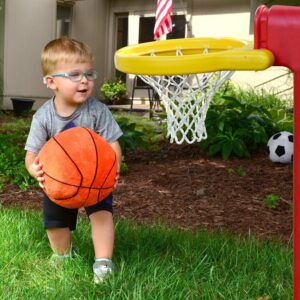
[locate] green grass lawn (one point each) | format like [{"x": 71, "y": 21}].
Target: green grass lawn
[{"x": 153, "y": 263}]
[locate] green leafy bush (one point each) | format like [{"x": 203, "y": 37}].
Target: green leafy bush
[
  {"x": 112, "y": 91},
  {"x": 131, "y": 138},
  {"x": 12, "y": 154},
  {"x": 253, "y": 96},
  {"x": 280, "y": 120},
  {"x": 280, "y": 112},
  {"x": 234, "y": 128}
]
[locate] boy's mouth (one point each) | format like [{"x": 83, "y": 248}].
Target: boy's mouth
[{"x": 82, "y": 91}]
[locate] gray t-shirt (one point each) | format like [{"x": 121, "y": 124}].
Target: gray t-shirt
[{"x": 91, "y": 114}]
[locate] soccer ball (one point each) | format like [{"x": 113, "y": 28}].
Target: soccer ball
[{"x": 281, "y": 147}]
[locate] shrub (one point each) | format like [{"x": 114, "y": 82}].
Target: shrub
[
  {"x": 234, "y": 128},
  {"x": 280, "y": 120},
  {"x": 280, "y": 114},
  {"x": 112, "y": 91},
  {"x": 131, "y": 138},
  {"x": 249, "y": 95},
  {"x": 12, "y": 155}
]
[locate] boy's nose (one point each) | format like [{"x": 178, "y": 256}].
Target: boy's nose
[{"x": 84, "y": 79}]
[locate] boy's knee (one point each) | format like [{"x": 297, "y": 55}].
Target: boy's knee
[
  {"x": 101, "y": 216},
  {"x": 59, "y": 233}
]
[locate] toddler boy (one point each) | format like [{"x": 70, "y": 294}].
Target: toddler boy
[{"x": 68, "y": 71}]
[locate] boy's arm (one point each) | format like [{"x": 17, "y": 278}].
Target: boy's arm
[
  {"x": 116, "y": 147},
  {"x": 34, "y": 167}
]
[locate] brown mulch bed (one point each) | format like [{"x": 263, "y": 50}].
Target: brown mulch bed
[{"x": 180, "y": 186}]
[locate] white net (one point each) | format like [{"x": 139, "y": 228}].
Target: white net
[{"x": 186, "y": 99}]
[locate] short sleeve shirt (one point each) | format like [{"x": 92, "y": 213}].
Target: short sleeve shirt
[{"x": 92, "y": 114}]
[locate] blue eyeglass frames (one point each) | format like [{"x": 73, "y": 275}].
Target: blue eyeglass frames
[{"x": 77, "y": 75}]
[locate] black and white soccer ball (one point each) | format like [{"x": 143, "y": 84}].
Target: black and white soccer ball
[{"x": 281, "y": 147}]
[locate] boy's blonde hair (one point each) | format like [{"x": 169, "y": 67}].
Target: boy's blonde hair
[{"x": 64, "y": 50}]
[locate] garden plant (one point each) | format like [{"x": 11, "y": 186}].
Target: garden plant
[{"x": 113, "y": 91}]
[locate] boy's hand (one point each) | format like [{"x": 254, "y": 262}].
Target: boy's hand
[
  {"x": 37, "y": 171},
  {"x": 116, "y": 147},
  {"x": 117, "y": 178}
]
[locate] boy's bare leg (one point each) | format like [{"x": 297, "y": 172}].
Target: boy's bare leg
[
  {"x": 60, "y": 240},
  {"x": 102, "y": 233}
]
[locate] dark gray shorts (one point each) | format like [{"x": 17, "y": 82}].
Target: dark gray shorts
[{"x": 55, "y": 216}]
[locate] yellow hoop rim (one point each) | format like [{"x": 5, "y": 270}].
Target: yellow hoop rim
[{"x": 224, "y": 54}]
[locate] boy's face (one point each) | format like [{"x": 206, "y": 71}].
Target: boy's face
[{"x": 67, "y": 91}]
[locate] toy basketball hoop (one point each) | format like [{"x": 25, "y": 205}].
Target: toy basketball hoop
[{"x": 186, "y": 73}]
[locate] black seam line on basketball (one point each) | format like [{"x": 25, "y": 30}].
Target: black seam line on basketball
[
  {"x": 79, "y": 186},
  {"x": 105, "y": 188},
  {"x": 107, "y": 176},
  {"x": 96, "y": 170},
  {"x": 81, "y": 177}
]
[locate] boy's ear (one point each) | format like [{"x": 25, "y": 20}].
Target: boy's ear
[{"x": 49, "y": 82}]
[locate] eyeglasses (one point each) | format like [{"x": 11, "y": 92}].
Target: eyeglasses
[{"x": 77, "y": 75}]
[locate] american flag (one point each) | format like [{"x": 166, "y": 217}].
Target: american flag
[{"x": 163, "y": 23}]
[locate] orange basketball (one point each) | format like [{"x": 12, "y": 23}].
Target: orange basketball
[{"x": 79, "y": 168}]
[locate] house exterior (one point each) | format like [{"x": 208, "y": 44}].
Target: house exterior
[{"x": 106, "y": 25}]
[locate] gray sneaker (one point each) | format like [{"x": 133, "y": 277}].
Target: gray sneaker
[
  {"x": 56, "y": 258},
  {"x": 102, "y": 269}
]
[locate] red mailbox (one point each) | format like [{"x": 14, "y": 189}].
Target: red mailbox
[{"x": 278, "y": 30}]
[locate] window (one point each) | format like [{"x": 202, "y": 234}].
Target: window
[
  {"x": 178, "y": 30},
  {"x": 147, "y": 28},
  {"x": 63, "y": 20}
]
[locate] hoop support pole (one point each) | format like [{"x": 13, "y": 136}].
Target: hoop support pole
[
  {"x": 275, "y": 27},
  {"x": 296, "y": 184}
]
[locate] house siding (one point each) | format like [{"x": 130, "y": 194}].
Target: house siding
[
  {"x": 90, "y": 25},
  {"x": 2, "y": 18},
  {"x": 29, "y": 26}
]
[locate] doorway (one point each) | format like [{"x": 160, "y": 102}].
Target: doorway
[{"x": 121, "y": 38}]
